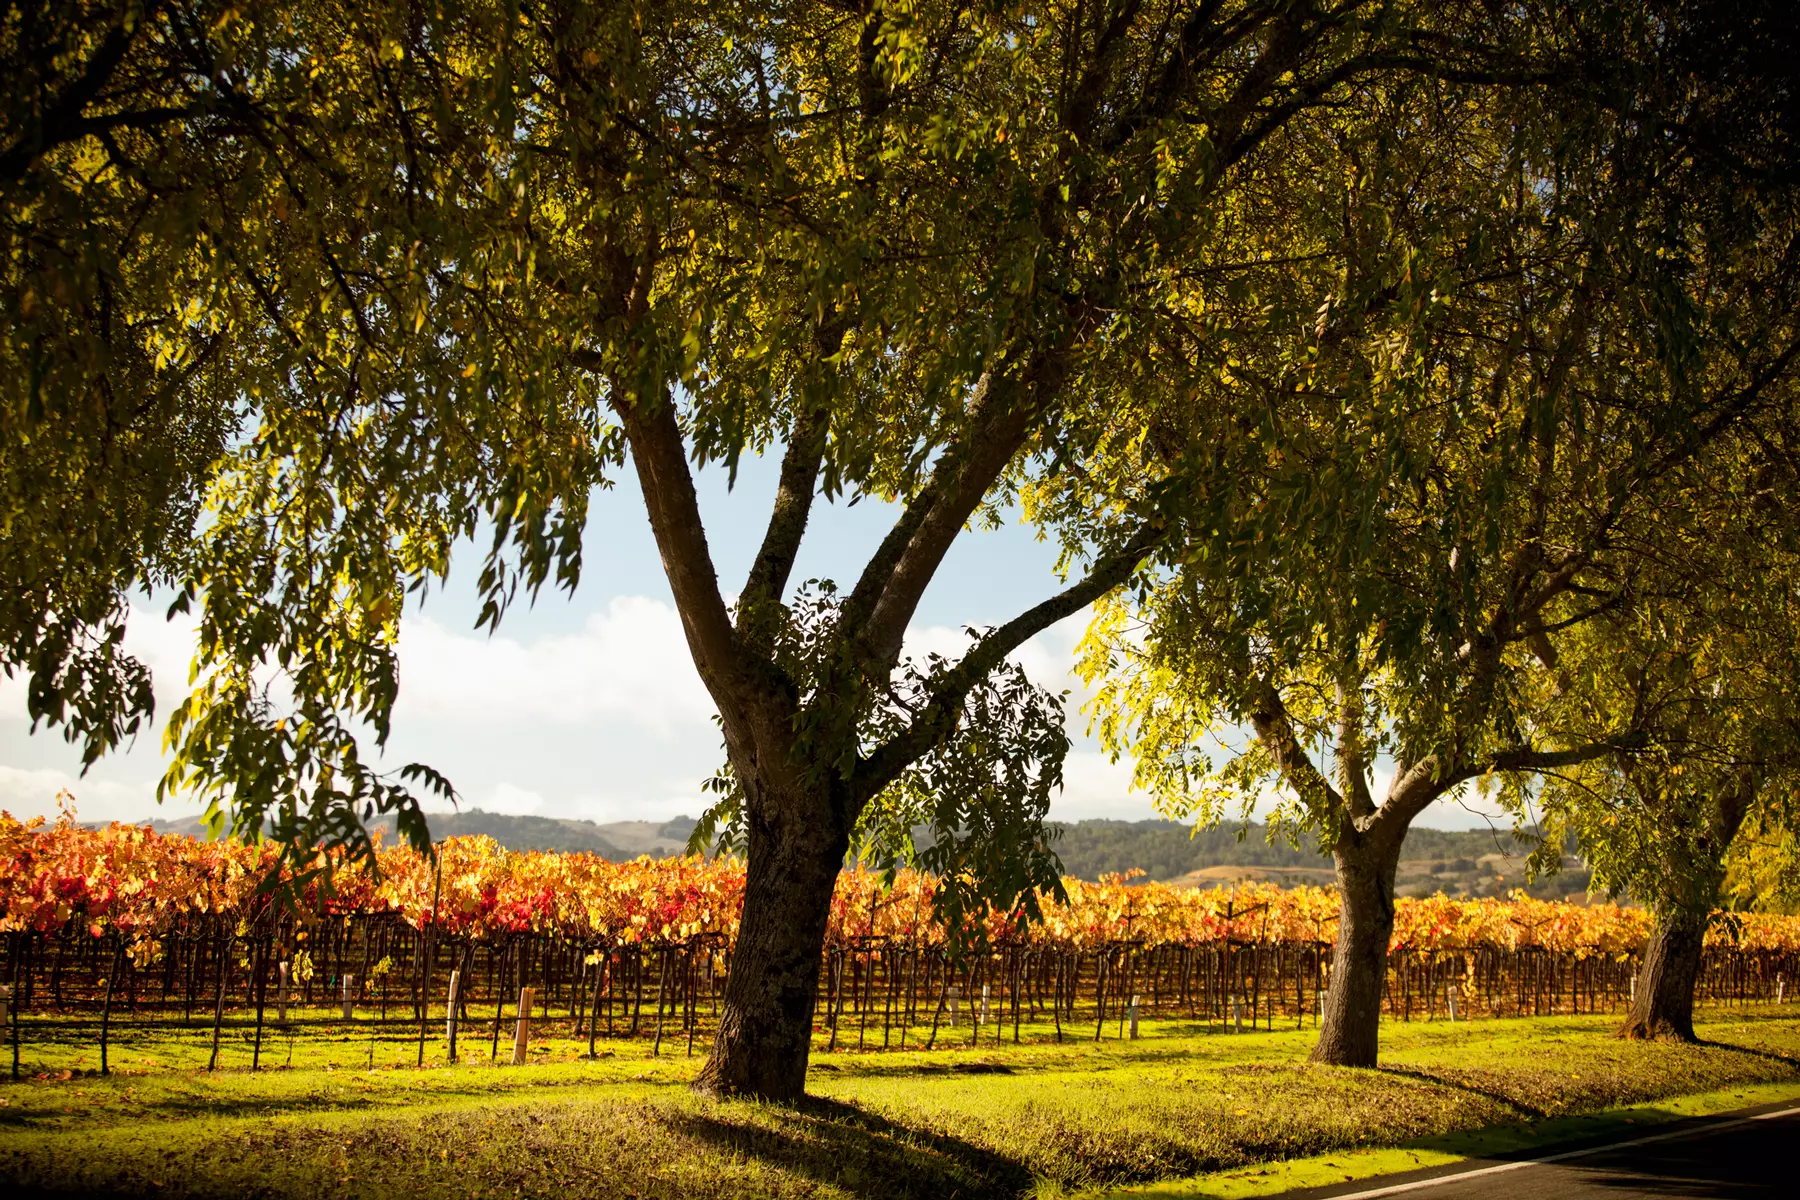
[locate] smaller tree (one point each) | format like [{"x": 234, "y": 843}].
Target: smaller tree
[
  {"x": 1472, "y": 409},
  {"x": 1704, "y": 662}
]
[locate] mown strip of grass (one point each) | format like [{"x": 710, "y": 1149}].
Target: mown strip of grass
[{"x": 997, "y": 1121}]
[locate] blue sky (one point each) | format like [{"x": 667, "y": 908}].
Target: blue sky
[{"x": 588, "y": 705}]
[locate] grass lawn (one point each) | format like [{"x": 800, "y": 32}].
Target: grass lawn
[{"x": 1184, "y": 1111}]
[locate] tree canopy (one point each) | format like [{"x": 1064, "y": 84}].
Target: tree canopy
[{"x": 1236, "y": 298}]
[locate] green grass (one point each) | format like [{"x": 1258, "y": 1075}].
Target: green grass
[
  {"x": 1181, "y": 1112},
  {"x": 1321, "y": 1170}
]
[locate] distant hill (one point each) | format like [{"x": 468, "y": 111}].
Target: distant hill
[
  {"x": 617, "y": 841},
  {"x": 1167, "y": 849},
  {"x": 1460, "y": 863}
]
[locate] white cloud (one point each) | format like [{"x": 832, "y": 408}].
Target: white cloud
[
  {"x": 674, "y": 797},
  {"x": 32, "y": 793},
  {"x": 629, "y": 663},
  {"x": 1095, "y": 786},
  {"x": 511, "y": 800}
]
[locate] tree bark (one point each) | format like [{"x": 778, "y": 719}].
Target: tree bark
[
  {"x": 1664, "y": 1005},
  {"x": 765, "y": 1023},
  {"x": 1350, "y": 1028}
]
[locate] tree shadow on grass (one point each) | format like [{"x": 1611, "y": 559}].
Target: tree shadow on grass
[
  {"x": 860, "y": 1152},
  {"x": 1463, "y": 1085},
  {"x": 1754, "y": 1052}
]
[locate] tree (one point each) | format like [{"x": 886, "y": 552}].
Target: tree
[
  {"x": 1704, "y": 658},
  {"x": 1461, "y": 462},
  {"x": 491, "y": 253}
]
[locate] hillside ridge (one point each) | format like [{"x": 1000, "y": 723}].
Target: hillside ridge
[{"x": 1457, "y": 862}]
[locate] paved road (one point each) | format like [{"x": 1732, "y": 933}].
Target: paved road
[{"x": 1744, "y": 1159}]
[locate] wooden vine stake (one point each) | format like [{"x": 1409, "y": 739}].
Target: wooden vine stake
[
  {"x": 7, "y": 992},
  {"x": 1134, "y": 1016},
  {"x": 450, "y": 1017},
  {"x": 348, "y": 996},
  {"x": 522, "y": 1033}
]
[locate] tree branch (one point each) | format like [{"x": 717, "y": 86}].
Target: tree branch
[
  {"x": 937, "y": 720},
  {"x": 896, "y": 577},
  {"x": 659, "y": 453},
  {"x": 793, "y": 505},
  {"x": 1001, "y": 425},
  {"x": 1415, "y": 788},
  {"x": 1418, "y": 786},
  {"x": 1275, "y": 729},
  {"x": 64, "y": 122},
  {"x": 1350, "y": 753},
  {"x": 1525, "y": 758}
]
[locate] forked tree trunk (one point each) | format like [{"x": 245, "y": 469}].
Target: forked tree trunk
[
  {"x": 765, "y": 1022},
  {"x": 1664, "y": 1004},
  {"x": 1350, "y": 1026}
]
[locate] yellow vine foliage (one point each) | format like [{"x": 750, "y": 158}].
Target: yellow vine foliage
[{"x": 144, "y": 885}]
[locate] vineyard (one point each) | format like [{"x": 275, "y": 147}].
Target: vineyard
[{"x": 114, "y": 932}]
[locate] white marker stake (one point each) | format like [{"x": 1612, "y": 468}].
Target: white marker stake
[
  {"x": 281, "y": 996},
  {"x": 955, "y": 1003},
  {"x": 522, "y": 1035},
  {"x": 1452, "y": 998},
  {"x": 1134, "y": 1010},
  {"x": 984, "y": 1003},
  {"x": 450, "y": 1017},
  {"x": 1780, "y": 988},
  {"x": 349, "y": 996}
]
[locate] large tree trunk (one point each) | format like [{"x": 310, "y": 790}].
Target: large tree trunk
[
  {"x": 1664, "y": 1005},
  {"x": 765, "y": 1023},
  {"x": 1350, "y": 1028}
]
